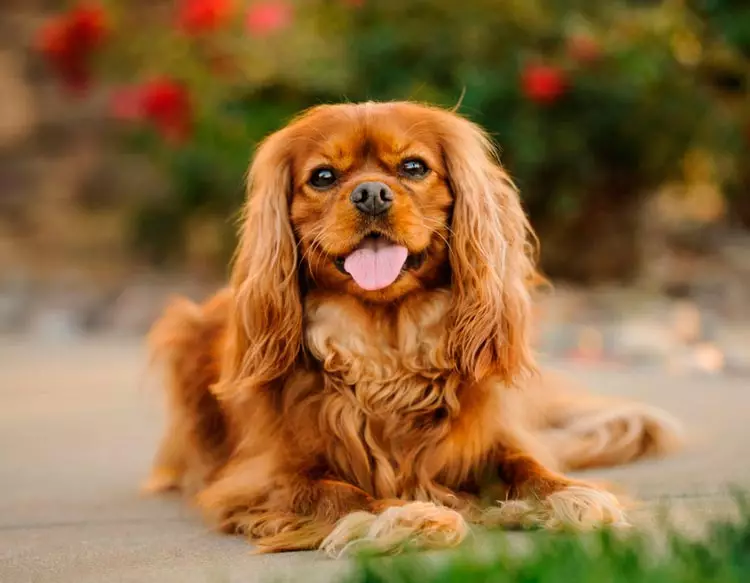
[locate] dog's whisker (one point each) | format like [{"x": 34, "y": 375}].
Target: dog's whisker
[{"x": 431, "y": 224}]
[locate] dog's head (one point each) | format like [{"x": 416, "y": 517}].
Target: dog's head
[
  {"x": 371, "y": 199},
  {"x": 380, "y": 201}
]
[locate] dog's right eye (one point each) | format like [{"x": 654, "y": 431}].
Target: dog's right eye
[{"x": 322, "y": 178}]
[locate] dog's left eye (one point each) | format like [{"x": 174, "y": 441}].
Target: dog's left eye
[{"x": 414, "y": 168}]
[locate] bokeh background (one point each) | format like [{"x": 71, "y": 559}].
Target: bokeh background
[{"x": 126, "y": 127}]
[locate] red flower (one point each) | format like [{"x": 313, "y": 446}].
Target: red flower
[
  {"x": 166, "y": 104},
  {"x": 163, "y": 102},
  {"x": 543, "y": 83},
  {"x": 69, "y": 42},
  {"x": 52, "y": 38},
  {"x": 584, "y": 48},
  {"x": 201, "y": 16},
  {"x": 264, "y": 18}
]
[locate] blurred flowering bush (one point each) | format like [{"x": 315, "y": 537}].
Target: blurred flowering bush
[
  {"x": 726, "y": 64},
  {"x": 594, "y": 104}
]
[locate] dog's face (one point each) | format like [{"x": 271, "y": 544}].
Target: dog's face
[{"x": 371, "y": 200}]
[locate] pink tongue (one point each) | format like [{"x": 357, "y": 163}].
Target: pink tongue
[{"x": 376, "y": 264}]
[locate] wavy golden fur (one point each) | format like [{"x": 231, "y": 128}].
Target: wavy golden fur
[{"x": 308, "y": 411}]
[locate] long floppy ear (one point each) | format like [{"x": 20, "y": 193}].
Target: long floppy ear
[
  {"x": 265, "y": 323},
  {"x": 492, "y": 258}
]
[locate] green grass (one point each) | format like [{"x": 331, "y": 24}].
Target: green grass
[{"x": 721, "y": 555}]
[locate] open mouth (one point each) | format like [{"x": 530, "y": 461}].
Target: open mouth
[{"x": 377, "y": 262}]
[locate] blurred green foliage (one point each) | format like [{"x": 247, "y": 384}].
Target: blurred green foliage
[
  {"x": 720, "y": 555},
  {"x": 730, "y": 19},
  {"x": 594, "y": 104},
  {"x": 727, "y": 67}
]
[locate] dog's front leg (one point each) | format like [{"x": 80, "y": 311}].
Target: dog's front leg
[
  {"x": 540, "y": 497},
  {"x": 278, "y": 510}
]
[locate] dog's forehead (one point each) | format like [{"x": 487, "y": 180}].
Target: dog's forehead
[{"x": 352, "y": 131}]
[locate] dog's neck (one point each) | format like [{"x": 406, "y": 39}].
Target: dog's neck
[
  {"x": 407, "y": 335},
  {"x": 382, "y": 352}
]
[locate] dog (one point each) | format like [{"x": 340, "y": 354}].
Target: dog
[{"x": 367, "y": 377}]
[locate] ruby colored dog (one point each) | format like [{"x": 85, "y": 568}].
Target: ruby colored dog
[{"x": 367, "y": 377}]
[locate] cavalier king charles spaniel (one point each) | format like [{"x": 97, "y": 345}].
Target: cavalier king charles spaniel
[{"x": 367, "y": 377}]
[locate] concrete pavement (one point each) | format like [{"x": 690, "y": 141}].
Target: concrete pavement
[{"x": 79, "y": 423}]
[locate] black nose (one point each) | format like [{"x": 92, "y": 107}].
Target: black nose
[{"x": 372, "y": 198}]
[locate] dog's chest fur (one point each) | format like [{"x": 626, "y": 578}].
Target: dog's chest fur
[{"x": 390, "y": 395}]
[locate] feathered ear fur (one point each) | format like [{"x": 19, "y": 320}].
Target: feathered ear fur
[
  {"x": 492, "y": 259},
  {"x": 265, "y": 324}
]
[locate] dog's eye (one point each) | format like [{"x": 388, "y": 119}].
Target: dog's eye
[
  {"x": 323, "y": 178},
  {"x": 414, "y": 168}
]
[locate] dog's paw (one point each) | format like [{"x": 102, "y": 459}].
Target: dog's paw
[
  {"x": 416, "y": 525},
  {"x": 572, "y": 508}
]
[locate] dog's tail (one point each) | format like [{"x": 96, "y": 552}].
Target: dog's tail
[
  {"x": 187, "y": 341},
  {"x": 587, "y": 431}
]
